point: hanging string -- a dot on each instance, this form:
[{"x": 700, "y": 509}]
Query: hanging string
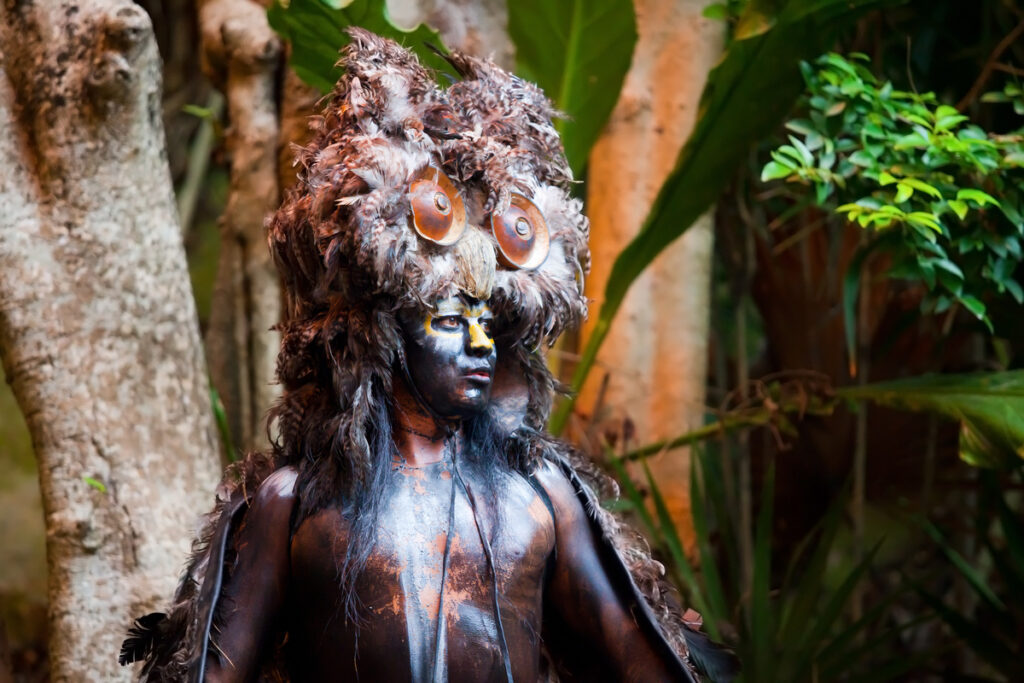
[
  {"x": 448, "y": 445},
  {"x": 494, "y": 574}
]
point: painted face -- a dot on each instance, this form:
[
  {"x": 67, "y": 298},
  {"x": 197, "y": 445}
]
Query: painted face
[{"x": 451, "y": 355}]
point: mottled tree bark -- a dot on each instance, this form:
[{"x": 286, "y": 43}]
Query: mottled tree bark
[
  {"x": 98, "y": 331},
  {"x": 655, "y": 355},
  {"x": 242, "y": 56}
]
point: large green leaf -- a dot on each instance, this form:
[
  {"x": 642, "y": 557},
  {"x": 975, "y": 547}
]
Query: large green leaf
[
  {"x": 578, "y": 51},
  {"x": 315, "y": 29},
  {"x": 747, "y": 95},
  {"x": 989, "y": 406}
]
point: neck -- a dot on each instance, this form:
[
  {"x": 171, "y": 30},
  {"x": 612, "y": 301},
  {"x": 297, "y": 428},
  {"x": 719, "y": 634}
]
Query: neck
[{"x": 418, "y": 436}]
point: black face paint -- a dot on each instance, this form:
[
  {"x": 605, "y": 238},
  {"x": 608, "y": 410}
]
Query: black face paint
[{"x": 451, "y": 355}]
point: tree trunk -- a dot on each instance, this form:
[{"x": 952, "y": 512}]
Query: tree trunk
[
  {"x": 655, "y": 355},
  {"x": 242, "y": 56},
  {"x": 98, "y": 330}
]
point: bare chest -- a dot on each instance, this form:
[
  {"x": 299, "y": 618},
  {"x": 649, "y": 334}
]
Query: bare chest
[{"x": 430, "y": 597}]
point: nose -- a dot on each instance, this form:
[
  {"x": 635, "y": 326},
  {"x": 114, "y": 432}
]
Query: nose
[{"x": 479, "y": 343}]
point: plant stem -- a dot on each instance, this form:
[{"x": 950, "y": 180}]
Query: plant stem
[
  {"x": 717, "y": 428},
  {"x": 744, "y": 483},
  {"x": 561, "y": 415},
  {"x": 929, "y": 463},
  {"x": 860, "y": 453},
  {"x": 990, "y": 65},
  {"x": 728, "y": 471},
  {"x": 198, "y": 162}
]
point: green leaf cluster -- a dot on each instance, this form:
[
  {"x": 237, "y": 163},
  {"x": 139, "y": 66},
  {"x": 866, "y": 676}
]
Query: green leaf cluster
[
  {"x": 939, "y": 195},
  {"x": 1012, "y": 93},
  {"x": 989, "y": 407}
]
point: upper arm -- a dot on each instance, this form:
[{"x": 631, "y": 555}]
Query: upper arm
[
  {"x": 593, "y": 595},
  {"x": 256, "y": 583}
]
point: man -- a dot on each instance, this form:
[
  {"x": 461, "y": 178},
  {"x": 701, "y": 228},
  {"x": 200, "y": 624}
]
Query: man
[{"x": 414, "y": 523}]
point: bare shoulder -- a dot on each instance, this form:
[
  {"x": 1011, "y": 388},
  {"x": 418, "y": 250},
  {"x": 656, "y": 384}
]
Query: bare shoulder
[
  {"x": 276, "y": 494},
  {"x": 561, "y": 490}
]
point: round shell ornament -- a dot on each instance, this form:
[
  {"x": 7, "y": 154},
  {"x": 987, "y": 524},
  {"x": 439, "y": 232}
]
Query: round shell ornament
[
  {"x": 438, "y": 213},
  {"x": 522, "y": 234}
]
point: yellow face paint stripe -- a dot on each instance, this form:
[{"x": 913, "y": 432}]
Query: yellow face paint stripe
[
  {"x": 428, "y": 327},
  {"x": 453, "y": 306},
  {"x": 478, "y": 338}
]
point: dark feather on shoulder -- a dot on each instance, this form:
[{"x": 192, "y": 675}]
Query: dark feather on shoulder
[
  {"x": 142, "y": 636},
  {"x": 711, "y": 659}
]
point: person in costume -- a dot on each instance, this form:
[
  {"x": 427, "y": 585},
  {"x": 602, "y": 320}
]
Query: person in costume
[{"x": 413, "y": 521}]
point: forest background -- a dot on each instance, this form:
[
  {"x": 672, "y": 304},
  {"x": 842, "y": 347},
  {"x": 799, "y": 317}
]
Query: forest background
[{"x": 812, "y": 400}]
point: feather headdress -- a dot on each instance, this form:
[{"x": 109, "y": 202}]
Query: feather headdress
[{"x": 410, "y": 192}]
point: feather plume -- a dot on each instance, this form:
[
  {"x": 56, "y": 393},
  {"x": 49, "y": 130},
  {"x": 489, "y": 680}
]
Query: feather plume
[
  {"x": 710, "y": 659},
  {"x": 142, "y": 636}
]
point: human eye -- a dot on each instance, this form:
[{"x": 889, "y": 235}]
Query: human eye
[{"x": 448, "y": 322}]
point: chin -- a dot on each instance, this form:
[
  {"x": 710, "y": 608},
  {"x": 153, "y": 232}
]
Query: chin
[{"x": 472, "y": 405}]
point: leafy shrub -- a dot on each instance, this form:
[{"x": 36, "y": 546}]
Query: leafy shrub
[
  {"x": 793, "y": 629},
  {"x": 993, "y": 630},
  {"x": 942, "y": 197}
]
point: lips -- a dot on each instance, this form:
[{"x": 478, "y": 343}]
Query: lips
[{"x": 478, "y": 374}]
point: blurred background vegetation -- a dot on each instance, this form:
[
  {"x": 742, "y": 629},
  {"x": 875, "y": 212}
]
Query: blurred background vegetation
[{"x": 856, "y": 490}]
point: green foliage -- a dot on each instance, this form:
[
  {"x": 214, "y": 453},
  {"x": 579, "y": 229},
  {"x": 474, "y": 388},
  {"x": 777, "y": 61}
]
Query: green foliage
[
  {"x": 996, "y": 576},
  {"x": 940, "y": 196},
  {"x": 989, "y": 406},
  {"x": 746, "y": 97},
  {"x": 578, "y": 51},
  {"x": 202, "y": 242},
  {"x": 202, "y": 113},
  {"x": 792, "y": 630},
  {"x": 728, "y": 11},
  {"x": 1011, "y": 93},
  {"x": 315, "y": 29},
  {"x": 717, "y": 10}
]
